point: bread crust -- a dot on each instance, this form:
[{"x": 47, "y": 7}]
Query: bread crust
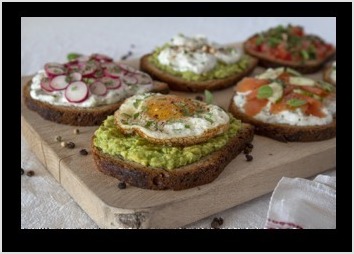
[
  {"x": 327, "y": 75},
  {"x": 202, "y": 172},
  {"x": 74, "y": 115},
  {"x": 284, "y": 132},
  {"x": 268, "y": 62},
  {"x": 179, "y": 84}
]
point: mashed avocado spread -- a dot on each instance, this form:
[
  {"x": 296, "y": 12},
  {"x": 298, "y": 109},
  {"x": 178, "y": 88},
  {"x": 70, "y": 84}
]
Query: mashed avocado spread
[
  {"x": 134, "y": 148},
  {"x": 220, "y": 71}
]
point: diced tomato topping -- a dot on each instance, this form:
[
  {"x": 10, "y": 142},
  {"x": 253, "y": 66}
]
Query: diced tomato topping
[
  {"x": 282, "y": 53},
  {"x": 248, "y": 84},
  {"x": 297, "y": 30}
]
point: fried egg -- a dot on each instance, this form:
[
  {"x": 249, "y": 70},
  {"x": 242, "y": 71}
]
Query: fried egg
[{"x": 170, "y": 119}]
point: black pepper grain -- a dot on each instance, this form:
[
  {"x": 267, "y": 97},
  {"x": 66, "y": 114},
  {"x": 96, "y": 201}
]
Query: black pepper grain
[
  {"x": 217, "y": 222},
  {"x": 122, "y": 185},
  {"x": 83, "y": 152},
  {"x": 30, "y": 173},
  {"x": 199, "y": 98},
  {"x": 22, "y": 171},
  {"x": 70, "y": 145},
  {"x": 249, "y": 145},
  {"x": 249, "y": 157},
  {"x": 247, "y": 150}
]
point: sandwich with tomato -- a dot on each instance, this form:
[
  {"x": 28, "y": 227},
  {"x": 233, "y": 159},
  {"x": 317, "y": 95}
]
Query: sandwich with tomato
[{"x": 290, "y": 46}]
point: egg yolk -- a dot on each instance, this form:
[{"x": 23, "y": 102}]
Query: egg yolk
[{"x": 170, "y": 107}]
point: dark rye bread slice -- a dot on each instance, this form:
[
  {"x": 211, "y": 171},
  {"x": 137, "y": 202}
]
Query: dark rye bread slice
[
  {"x": 202, "y": 172},
  {"x": 284, "y": 132},
  {"x": 180, "y": 84},
  {"x": 327, "y": 75},
  {"x": 269, "y": 62},
  {"x": 74, "y": 115}
]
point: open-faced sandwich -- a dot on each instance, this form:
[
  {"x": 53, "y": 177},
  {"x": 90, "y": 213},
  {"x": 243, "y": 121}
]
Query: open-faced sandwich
[
  {"x": 289, "y": 46},
  {"x": 286, "y": 106},
  {"x": 160, "y": 142},
  {"x": 330, "y": 73},
  {"x": 194, "y": 64},
  {"x": 85, "y": 90}
]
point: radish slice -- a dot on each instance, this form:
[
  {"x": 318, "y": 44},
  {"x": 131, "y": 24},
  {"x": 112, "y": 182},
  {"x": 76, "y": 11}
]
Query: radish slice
[
  {"x": 75, "y": 76},
  {"x": 76, "y": 92},
  {"x": 88, "y": 68},
  {"x": 98, "y": 74},
  {"x": 111, "y": 83},
  {"x": 143, "y": 78},
  {"x": 98, "y": 88},
  {"x": 59, "y": 83},
  {"x": 130, "y": 80},
  {"x": 45, "y": 84},
  {"x": 54, "y": 69},
  {"x": 101, "y": 58},
  {"x": 74, "y": 67},
  {"x": 127, "y": 68},
  {"x": 112, "y": 70}
]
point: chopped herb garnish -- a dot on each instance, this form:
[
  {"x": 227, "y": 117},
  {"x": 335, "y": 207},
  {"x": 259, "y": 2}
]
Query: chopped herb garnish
[
  {"x": 264, "y": 92},
  {"x": 126, "y": 115},
  {"x": 326, "y": 86},
  {"x": 137, "y": 103},
  {"x": 305, "y": 55},
  {"x": 73, "y": 56},
  {"x": 135, "y": 116},
  {"x": 187, "y": 126},
  {"x": 73, "y": 88},
  {"x": 148, "y": 124},
  {"x": 295, "y": 102},
  {"x": 209, "y": 120},
  {"x": 208, "y": 97}
]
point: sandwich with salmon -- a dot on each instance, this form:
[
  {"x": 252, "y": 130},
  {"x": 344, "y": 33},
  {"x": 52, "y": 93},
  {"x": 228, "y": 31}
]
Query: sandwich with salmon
[{"x": 286, "y": 106}]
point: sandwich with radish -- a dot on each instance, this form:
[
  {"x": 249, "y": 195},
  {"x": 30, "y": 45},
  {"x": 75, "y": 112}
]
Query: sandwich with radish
[{"x": 86, "y": 89}]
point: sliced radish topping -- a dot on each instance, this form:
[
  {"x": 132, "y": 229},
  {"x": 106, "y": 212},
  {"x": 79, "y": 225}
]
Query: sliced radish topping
[
  {"x": 98, "y": 88},
  {"x": 112, "y": 70},
  {"x": 127, "y": 68},
  {"x": 111, "y": 83},
  {"x": 75, "y": 76},
  {"x": 59, "y": 83},
  {"x": 76, "y": 92},
  {"x": 45, "y": 84},
  {"x": 101, "y": 58},
  {"x": 88, "y": 68},
  {"x": 99, "y": 73},
  {"x": 143, "y": 78},
  {"x": 54, "y": 69},
  {"x": 74, "y": 67},
  {"x": 130, "y": 79}
]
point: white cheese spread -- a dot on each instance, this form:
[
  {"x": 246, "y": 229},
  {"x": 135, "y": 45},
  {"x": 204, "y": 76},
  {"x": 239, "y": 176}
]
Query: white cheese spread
[{"x": 195, "y": 54}]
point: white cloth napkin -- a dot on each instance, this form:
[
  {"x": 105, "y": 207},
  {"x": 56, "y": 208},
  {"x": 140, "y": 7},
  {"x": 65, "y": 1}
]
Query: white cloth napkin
[{"x": 299, "y": 203}]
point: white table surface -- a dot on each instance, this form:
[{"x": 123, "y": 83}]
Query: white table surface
[{"x": 44, "y": 203}]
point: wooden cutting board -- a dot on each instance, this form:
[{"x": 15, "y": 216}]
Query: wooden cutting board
[{"x": 132, "y": 207}]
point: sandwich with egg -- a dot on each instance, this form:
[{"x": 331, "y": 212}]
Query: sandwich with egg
[
  {"x": 194, "y": 64},
  {"x": 286, "y": 106},
  {"x": 85, "y": 90},
  {"x": 160, "y": 142}
]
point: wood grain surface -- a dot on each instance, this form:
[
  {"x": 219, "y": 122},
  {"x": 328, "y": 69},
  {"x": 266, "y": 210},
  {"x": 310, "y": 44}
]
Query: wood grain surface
[{"x": 132, "y": 207}]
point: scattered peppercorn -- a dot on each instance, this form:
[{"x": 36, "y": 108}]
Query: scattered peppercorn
[
  {"x": 270, "y": 154},
  {"x": 122, "y": 185},
  {"x": 217, "y": 222},
  {"x": 83, "y": 152},
  {"x": 249, "y": 157},
  {"x": 70, "y": 145},
  {"x": 63, "y": 144},
  {"x": 30, "y": 173},
  {"x": 22, "y": 171},
  {"x": 249, "y": 145},
  {"x": 58, "y": 138},
  {"x": 247, "y": 150},
  {"x": 76, "y": 131},
  {"x": 125, "y": 57},
  {"x": 199, "y": 98}
]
